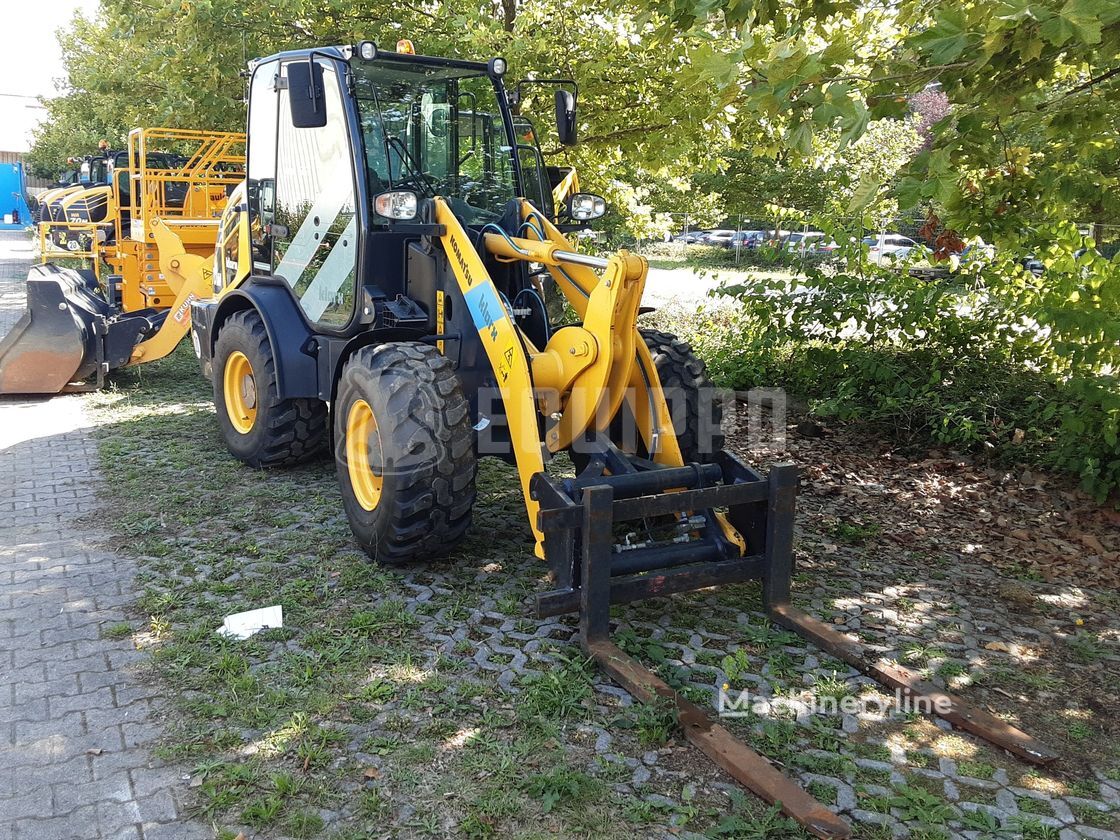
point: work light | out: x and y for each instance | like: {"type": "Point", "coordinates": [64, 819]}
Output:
{"type": "Point", "coordinates": [586, 206]}
{"type": "Point", "coordinates": [497, 66]}
{"type": "Point", "coordinates": [367, 50]}
{"type": "Point", "coordinates": [398, 204]}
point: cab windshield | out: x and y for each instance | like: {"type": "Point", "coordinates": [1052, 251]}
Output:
{"type": "Point", "coordinates": [435, 131]}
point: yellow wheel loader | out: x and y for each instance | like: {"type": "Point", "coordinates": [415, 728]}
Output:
{"type": "Point", "coordinates": [143, 234]}
{"type": "Point", "coordinates": [378, 292]}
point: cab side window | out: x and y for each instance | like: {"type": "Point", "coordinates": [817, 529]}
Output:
{"type": "Point", "coordinates": [261, 177]}
{"type": "Point", "coordinates": [315, 228]}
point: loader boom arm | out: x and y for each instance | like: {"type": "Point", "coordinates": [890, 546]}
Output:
{"type": "Point", "coordinates": [580, 378]}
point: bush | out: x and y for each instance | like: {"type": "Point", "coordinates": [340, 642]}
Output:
{"type": "Point", "coordinates": [997, 361]}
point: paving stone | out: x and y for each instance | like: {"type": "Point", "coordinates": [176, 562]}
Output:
{"type": "Point", "coordinates": [175, 831]}
{"type": "Point", "coordinates": [64, 690]}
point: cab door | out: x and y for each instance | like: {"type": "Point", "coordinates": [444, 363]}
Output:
{"type": "Point", "coordinates": [315, 227]}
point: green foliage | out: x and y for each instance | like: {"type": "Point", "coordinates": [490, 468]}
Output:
{"type": "Point", "coordinates": [992, 359]}
{"type": "Point", "coordinates": [559, 694]}
{"type": "Point", "coordinates": [1033, 131]}
{"type": "Point", "coordinates": [770, 825]}
{"type": "Point", "coordinates": [648, 121]}
{"type": "Point", "coordinates": [919, 805]}
{"type": "Point", "coordinates": [560, 785]}
{"type": "Point", "coordinates": [825, 177]}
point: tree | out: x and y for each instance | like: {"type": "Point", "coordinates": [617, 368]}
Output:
{"type": "Point", "coordinates": [646, 119]}
{"type": "Point", "coordinates": [824, 182]}
{"type": "Point", "coordinates": [1032, 134]}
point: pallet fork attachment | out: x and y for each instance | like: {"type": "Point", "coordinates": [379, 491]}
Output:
{"type": "Point", "coordinates": [578, 518]}
{"type": "Point", "coordinates": [695, 525]}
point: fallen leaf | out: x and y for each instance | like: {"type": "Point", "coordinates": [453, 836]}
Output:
{"type": "Point", "coordinates": [1016, 593]}
{"type": "Point", "coordinates": [94, 751]}
{"type": "Point", "coordinates": [1091, 543]}
{"type": "Point", "coordinates": [1000, 646]}
{"type": "Point", "coordinates": [371, 773]}
{"type": "Point", "coordinates": [196, 781]}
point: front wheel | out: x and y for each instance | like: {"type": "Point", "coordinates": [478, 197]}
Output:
{"type": "Point", "coordinates": [696, 414]}
{"type": "Point", "coordinates": [404, 452]}
{"type": "Point", "coordinates": [259, 428]}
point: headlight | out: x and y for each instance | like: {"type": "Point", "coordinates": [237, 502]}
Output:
{"type": "Point", "coordinates": [367, 50]}
{"type": "Point", "coordinates": [586, 206]}
{"type": "Point", "coordinates": [398, 204]}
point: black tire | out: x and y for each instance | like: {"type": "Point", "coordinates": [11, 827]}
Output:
{"type": "Point", "coordinates": [688, 391]}
{"type": "Point", "coordinates": [424, 447]}
{"type": "Point", "coordinates": [283, 432]}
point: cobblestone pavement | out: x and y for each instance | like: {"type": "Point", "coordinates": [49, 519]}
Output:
{"type": "Point", "coordinates": [75, 718]}
{"type": "Point", "coordinates": [855, 762]}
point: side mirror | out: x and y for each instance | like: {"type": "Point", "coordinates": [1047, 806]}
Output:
{"type": "Point", "coordinates": [566, 117]}
{"type": "Point", "coordinates": [306, 96]}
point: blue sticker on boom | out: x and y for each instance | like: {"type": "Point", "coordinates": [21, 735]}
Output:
{"type": "Point", "coordinates": [485, 309]}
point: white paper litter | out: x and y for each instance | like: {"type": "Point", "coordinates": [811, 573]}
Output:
{"type": "Point", "coordinates": [242, 625]}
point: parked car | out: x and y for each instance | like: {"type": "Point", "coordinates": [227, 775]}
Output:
{"type": "Point", "coordinates": [804, 242]}
{"type": "Point", "coordinates": [886, 248]}
{"type": "Point", "coordinates": [717, 238]}
{"type": "Point", "coordinates": [690, 237]}
{"type": "Point", "coordinates": [747, 239]}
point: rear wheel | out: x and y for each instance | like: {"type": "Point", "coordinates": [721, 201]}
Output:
{"type": "Point", "coordinates": [688, 393]}
{"type": "Point", "coordinates": [404, 452]}
{"type": "Point", "coordinates": [258, 427]}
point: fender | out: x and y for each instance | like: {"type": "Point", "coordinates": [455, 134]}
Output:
{"type": "Point", "coordinates": [293, 342]}
{"type": "Point", "coordinates": [339, 354]}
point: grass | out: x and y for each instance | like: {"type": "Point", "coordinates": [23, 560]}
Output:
{"type": "Point", "coordinates": [117, 631]}
{"type": "Point", "coordinates": [976, 770]}
{"type": "Point", "coordinates": [282, 729]}
{"type": "Point", "coordinates": [1085, 648]}
{"type": "Point", "coordinates": [856, 533]}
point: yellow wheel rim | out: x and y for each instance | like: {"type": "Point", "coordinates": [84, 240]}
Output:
{"type": "Point", "coordinates": [240, 388]}
{"type": "Point", "coordinates": [362, 437]}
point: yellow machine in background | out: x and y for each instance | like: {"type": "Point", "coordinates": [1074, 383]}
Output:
{"type": "Point", "coordinates": [181, 176]}
{"type": "Point", "coordinates": [149, 237]}
{"type": "Point", "coordinates": [187, 198]}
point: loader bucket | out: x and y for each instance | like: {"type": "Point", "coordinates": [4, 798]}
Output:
{"type": "Point", "coordinates": [68, 333]}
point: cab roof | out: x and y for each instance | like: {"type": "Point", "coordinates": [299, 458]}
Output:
{"type": "Point", "coordinates": [346, 52]}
